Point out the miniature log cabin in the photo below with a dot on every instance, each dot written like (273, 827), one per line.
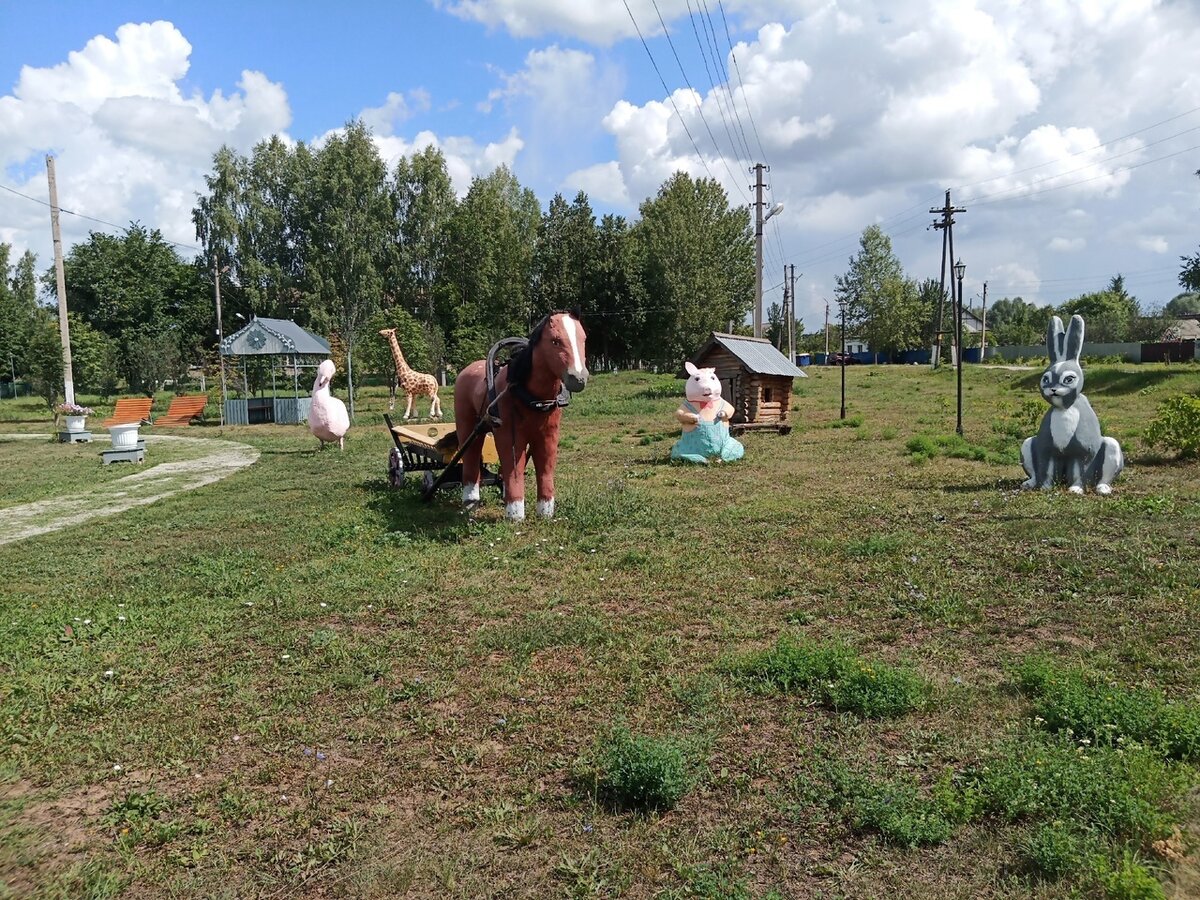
(755, 377)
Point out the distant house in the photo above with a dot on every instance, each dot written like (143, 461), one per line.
(1184, 328)
(755, 377)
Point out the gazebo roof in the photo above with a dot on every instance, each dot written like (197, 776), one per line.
(273, 337)
(758, 355)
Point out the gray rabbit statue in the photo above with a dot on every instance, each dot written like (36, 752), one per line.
(1068, 447)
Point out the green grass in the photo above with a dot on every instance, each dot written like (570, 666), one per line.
(164, 671)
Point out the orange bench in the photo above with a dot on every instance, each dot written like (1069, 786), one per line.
(129, 410)
(183, 409)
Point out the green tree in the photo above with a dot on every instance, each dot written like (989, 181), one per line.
(695, 259)
(489, 267)
(613, 316)
(1015, 322)
(1189, 274)
(350, 219)
(93, 358)
(375, 352)
(424, 202)
(565, 256)
(44, 359)
(1185, 304)
(882, 306)
(1113, 314)
(18, 312)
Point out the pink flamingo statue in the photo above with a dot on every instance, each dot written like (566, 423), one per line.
(327, 417)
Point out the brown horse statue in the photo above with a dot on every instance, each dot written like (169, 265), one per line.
(526, 413)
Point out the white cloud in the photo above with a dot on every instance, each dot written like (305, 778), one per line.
(599, 23)
(602, 182)
(1067, 245)
(1154, 243)
(465, 158)
(397, 108)
(129, 145)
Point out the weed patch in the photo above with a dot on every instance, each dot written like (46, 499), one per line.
(836, 676)
(640, 773)
(1107, 714)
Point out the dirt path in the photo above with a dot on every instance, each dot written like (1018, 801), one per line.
(143, 487)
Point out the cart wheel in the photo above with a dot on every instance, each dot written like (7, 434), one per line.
(395, 468)
(427, 481)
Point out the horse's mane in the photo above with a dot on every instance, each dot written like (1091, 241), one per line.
(520, 367)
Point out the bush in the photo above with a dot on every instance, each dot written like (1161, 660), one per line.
(1176, 425)
(642, 773)
(1057, 850)
(895, 809)
(839, 678)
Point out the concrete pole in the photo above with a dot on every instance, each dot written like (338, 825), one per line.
(758, 248)
(60, 280)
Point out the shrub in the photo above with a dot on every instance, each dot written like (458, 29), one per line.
(1176, 426)
(895, 809)
(837, 676)
(642, 773)
(1129, 880)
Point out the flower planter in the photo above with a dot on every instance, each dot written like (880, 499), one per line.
(76, 423)
(124, 437)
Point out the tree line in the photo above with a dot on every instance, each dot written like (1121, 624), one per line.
(343, 243)
(894, 312)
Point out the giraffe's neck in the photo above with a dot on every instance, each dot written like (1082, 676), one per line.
(402, 368)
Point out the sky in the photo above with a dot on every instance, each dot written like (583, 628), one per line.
(1068, 129)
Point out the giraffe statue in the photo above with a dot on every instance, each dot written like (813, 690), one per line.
(414, 384)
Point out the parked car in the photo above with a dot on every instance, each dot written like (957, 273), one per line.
(840, 358)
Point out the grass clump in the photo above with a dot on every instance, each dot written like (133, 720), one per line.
(640, 773)
(837, 677)
(1109, 715)
(896, 809)
(924, 447)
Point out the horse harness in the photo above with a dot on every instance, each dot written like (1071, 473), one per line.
(492, 411)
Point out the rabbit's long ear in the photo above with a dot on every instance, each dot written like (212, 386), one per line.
(1054, 339)
(1074, 338)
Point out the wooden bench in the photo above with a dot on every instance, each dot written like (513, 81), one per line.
(183, 409)
(128, 410)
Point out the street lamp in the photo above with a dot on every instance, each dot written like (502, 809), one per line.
(959, 271)
(758, 259)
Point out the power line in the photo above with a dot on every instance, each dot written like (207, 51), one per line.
(670, 96)
(1089, 149)
(92, 218)
(723, 70)
(715, 81)
(696, 94)
(741, 82)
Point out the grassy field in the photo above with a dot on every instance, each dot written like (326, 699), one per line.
(858, 663)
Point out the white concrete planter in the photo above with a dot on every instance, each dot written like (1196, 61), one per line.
(76, 423)
(124, 437)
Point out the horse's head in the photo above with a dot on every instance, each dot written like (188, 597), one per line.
(561, 349)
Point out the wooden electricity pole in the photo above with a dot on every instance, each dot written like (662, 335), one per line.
(946, 226)
(60, 280)
(983, 337)
(791, 322)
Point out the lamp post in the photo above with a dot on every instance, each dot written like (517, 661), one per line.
(220, 331)
(760, 220)
(959, 271)
(843, 312)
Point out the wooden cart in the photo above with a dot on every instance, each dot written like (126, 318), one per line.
(431, 448)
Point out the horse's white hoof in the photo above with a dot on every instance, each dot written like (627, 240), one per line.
(470, 494)
(545, 508)
(1076, 489)
(514, 510)
(1103, 489)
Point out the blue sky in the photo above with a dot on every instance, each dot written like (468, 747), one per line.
(1069, 130)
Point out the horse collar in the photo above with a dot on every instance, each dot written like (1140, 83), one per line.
(542, 406)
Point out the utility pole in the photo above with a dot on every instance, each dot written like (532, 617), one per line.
(792, 318)
(783, 331)
(60, 280)
(843, 355)
(946, 226)
(983, 337)
(827, 328)
(220, 333)
(758, 247)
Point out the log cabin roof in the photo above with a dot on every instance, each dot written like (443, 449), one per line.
(758, 355)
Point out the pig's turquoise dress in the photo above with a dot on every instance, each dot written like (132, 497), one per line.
(708, 440)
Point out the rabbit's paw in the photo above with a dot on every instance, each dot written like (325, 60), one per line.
(1103, 489)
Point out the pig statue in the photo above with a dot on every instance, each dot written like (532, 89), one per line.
(705, 419)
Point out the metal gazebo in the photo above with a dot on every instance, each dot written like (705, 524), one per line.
(273, 338)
